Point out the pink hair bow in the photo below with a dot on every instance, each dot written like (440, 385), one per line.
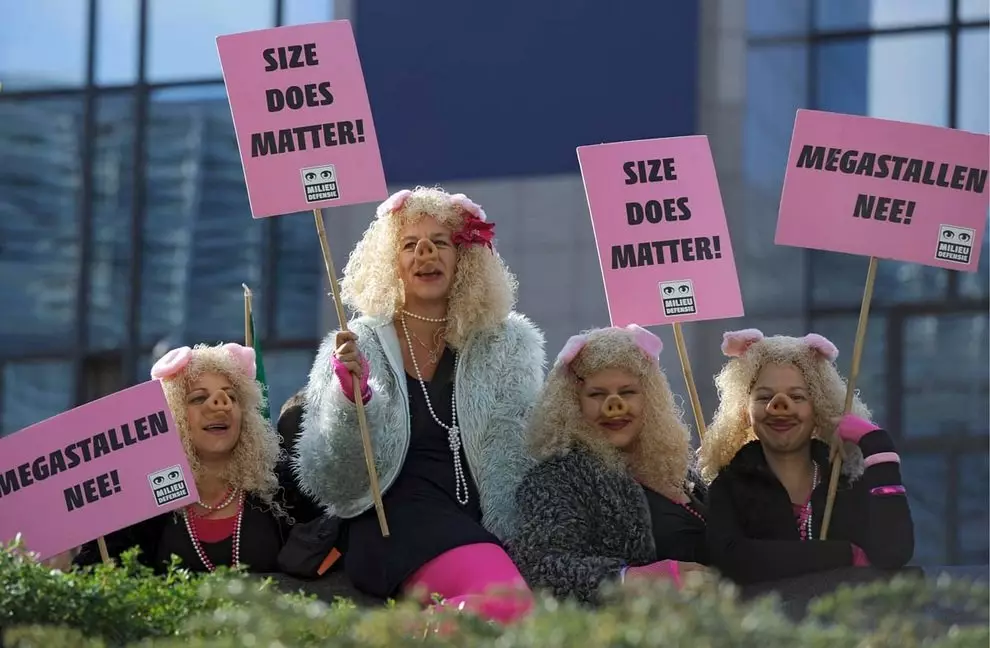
(171, 363)
(649, 343)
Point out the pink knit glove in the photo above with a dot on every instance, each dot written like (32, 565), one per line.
(660, 569)
(859, 557)
(853, 428)
(346, 379)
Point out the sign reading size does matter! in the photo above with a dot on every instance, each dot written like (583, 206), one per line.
(302, 117)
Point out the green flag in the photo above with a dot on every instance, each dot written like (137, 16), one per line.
(260, 363)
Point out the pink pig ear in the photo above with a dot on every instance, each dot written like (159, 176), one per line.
(468, 205)
(244, 357)
(648, 342)
(822, 345)
(571, 348)
(171, 363)
(735, 343)
(394, 202)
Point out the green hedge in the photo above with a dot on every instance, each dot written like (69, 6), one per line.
(127, 606)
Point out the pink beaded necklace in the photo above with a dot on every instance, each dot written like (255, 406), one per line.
(198, 546)
(689, 509)
(805, 518)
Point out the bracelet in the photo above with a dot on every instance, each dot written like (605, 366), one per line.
(894, 489)
(881, 457)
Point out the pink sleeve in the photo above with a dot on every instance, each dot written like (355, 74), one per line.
(346, 379)
(859, 557)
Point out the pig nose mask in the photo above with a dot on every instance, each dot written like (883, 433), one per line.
(614, 407)
(425, 250)
(779, 404)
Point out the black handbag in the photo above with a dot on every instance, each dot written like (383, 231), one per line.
(310, 551)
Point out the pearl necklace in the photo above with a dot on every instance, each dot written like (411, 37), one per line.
(198, 546)
(805, 518)
(435, 320)
(453, 432)
(231, 494)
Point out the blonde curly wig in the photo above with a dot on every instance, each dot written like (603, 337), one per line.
(252, 463)
(663, 455)
(483, 291)
(813, 356)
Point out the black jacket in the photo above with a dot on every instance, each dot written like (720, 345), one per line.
(753, 535)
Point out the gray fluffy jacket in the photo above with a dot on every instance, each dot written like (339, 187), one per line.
(498, 379)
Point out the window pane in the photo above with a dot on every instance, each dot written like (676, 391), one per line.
(287, 372)
(839, 279)
(777, 17)
(909, 78)
(974, 9)
(974, 80)
(39, 231)
(974, 520)
(302, 12)
(776, 86)
(858, 14)
(39, 52)
(34, 391)
(200, 242)
(902, 77)
(182, 34)
(977, 284)
(925, 478)
(113, 189)
(946, 380)
(117, 41)
(299, 271)
(842, 76)
(872, 381)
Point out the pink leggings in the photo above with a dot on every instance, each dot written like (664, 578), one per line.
(477, 577)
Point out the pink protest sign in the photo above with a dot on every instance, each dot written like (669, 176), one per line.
(93, 470)
(663, 243)
(302, 118)
(886, 189)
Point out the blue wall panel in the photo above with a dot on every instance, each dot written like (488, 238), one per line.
(474, 89)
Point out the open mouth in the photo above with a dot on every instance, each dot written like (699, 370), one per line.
(615, 424)
(217, 428)
(429, 275)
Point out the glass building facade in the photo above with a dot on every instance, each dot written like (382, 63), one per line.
(124, 221)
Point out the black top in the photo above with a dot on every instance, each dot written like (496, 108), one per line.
(678, 531)
(263, 533)
(753, 535)
(424, 517)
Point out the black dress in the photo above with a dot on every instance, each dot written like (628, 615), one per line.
(679, 533)
(424, 516)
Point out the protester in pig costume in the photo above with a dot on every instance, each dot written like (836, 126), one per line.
(614, 496)
(448, 373)
(248, 501)
(781, 403)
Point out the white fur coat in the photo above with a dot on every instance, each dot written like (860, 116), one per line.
(498, 380)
